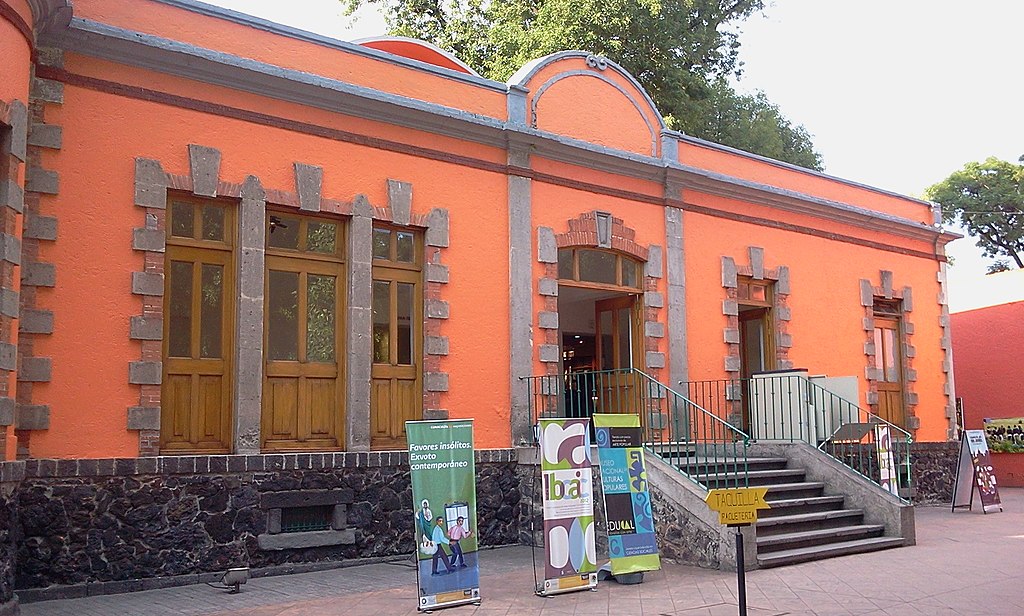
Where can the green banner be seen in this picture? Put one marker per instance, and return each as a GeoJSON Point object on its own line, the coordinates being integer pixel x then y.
{"type": "Point", "coordinates": [632, 544]}
{"type": "Point", "coordinates": [444, 498]}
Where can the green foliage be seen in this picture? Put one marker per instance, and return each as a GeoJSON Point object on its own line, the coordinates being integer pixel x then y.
{"type": "Point", "coordinates": [681, 51]}
{"type": "Point", "coordinates": [987, 199]}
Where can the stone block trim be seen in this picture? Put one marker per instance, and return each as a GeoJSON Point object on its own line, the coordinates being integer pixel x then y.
{"type": "Point", "coordinates": [31, 417]}
{"type": "Point", "coordinates": [41, 228]}
{"type": "Point", "coordinates": [755, 269]}
{"type": "Point", "coordinates": [902, 299]}
{"type": "Point", "coordinates": [309, 181]}
{"type": "Point", "coordinates": [7, 409]}
{"type": "Point", "coordinates": [143, 418]}
{"type": "Point", "coordinates": [436, 347]}
{"type": "Point", "coordinates": [204, 168]}
{"type": "Point", "coordinates": [13, 155]}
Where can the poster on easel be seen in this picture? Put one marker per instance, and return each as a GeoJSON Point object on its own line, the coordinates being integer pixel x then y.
{"type": "Point", "coordinates": [443, 477]}
{"type": "Point", "coordinates": [886, 464]}
{"type": "Point", "coordinates": [570, 552]}
{"type": "Point", "coordinates": [974, 472]}
{"type": "Point", "coordinates": [632, 544]}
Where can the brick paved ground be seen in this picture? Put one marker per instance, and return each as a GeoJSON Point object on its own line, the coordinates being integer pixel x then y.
{"type": "Point", "coordinates": [965, 563]}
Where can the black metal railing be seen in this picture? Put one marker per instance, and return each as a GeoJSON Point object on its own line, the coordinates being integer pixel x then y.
{"type": "Point", "coordinates": [793, 408]}
{"type": "Point", "coordinates": [697, 442]}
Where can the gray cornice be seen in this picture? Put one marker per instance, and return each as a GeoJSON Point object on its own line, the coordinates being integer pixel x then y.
{"type": "Point", "coordinates": [49, 15]}
{"type": "Point", "coordinates": [207, 66]}
{"type": "Point", "coordinates": [325, 41]}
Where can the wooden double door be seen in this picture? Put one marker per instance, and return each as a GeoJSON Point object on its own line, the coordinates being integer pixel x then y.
{"type": "Point", "coordinates": [618, 348]}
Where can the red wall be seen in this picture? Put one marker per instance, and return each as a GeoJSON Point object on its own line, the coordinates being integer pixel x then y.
{"type": "Point", "coordinates": [988, 364]}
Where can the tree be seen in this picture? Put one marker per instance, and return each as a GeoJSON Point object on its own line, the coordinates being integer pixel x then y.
{"type": "Point", "coordinates": [987, 199]}
{"type": "Point", "coordinates": [681, 51]}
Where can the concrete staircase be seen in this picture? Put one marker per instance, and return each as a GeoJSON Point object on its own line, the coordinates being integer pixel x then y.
{"type": "Point", "coordinates": [804, 523]}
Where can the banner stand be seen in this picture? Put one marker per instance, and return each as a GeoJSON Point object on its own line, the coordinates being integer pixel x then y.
{"type": "Point", "coordinates": [443, 478]}
{"type": "Point", "coordinates": [974, 471]}
{"type": "Point", "coordinates": [567, 496]}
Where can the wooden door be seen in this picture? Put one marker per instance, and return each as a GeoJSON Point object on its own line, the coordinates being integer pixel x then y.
{"type": "Point", "coordinates": [889, 370]}
{"type": "Point", "coordinates": [303, 402]}
{"type": "Point", "coordinates": [397, 370]}
{"type": "Point", "coordinates": [198, 329]}
{"type": "Point", "coordinates": [757, 352]}
{"type": "Point", "coordinates": [618, 348]}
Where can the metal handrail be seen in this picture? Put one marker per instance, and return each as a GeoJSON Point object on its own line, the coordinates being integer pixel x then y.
{"type": "Point", "coordinates": [706, 448]}
{"type": "Point", "coordinates": [792, 408]}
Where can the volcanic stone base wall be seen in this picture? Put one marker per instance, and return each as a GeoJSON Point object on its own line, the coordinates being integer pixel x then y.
{"type": "Point", "coordinates": [11, 474]}
{"type": "Point", "coordinates": [103, 525]}
{"type": "Point", "coordinates": [934, 469]}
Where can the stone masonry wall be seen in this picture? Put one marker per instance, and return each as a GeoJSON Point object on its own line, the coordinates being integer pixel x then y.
{"type": "Point", "coordinates": [91, 522]}
{"type": "Point", "coordinates": [934, 468]}
{"type": "Point", "coordinates": [11, 474]}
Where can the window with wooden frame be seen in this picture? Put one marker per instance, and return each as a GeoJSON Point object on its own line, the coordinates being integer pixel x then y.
{"type": "Point", "coordinates": [303, 401]}
{"type": "Point", "coordinates": [594, 267]}
{"type": "Point", "coordinates": [397, 372]}
{"type": "Point", "coordinates": [198, 353]}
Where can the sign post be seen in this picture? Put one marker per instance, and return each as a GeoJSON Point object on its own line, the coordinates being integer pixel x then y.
{"type": "Point", "coordinates": [738, 507]}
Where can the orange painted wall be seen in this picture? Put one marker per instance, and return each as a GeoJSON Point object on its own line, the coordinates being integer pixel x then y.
{"type": "Point", "coordinates": [608, 118]}
{"type": "Point", "coordinates": [827, 316]}
{"type": "Point", "coordinates": [241, 40]}
{"type": "Point", "coordinates": [93, 303]}
{"type": "Point", "coordinates": [739, 166]}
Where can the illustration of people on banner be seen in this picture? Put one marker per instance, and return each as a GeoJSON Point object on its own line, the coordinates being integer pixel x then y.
{"type": "Point", "coordinates": [444, 494]}
{"type": "Point", "coordinates": [632, 544]}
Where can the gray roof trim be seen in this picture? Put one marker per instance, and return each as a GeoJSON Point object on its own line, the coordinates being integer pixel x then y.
{"type": "Point", "coordinates": [791, 167]}
{"type": "Point", "coordinates": [718, 184]}
{"type": "Point", "coordinates": [325, 41]}
{"type": "Point", "coordinates": [185, 60]}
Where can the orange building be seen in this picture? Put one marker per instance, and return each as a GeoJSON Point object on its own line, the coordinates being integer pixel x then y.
{"type": "Point", "coordinates": [225, 236]}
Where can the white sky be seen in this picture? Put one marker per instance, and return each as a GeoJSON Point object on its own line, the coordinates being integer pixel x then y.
{"type": "Point", "coordinates": [897, 93]}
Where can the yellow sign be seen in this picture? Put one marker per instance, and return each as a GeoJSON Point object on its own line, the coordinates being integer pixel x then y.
{"type": "Point", "coordinates": [737, 505]}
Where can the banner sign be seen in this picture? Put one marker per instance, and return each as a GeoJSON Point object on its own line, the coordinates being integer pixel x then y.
{"type": "Point", "coordinates": [975, 471]}
{"type": "Point", "coordinates": [570, 561]}
{"type": "Point", "coordinates": [886, 464]}
{"type": "Point", "coordinates": [444, 499]}
{"type": "Point", "coordinates": [1005, 435]}
{"type": "Point", "coordinates": [632, 545]}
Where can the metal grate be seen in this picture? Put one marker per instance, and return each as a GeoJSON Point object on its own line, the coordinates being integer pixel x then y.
{"type": "Point", "coordinates": [302, 519]}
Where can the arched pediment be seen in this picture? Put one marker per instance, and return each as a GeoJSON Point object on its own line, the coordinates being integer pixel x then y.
{"type": "Point", "coordinates": [586, 97]}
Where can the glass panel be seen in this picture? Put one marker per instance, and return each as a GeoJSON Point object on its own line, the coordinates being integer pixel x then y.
{"type": "Point", "coordinates": [213, 223]}
{"type": "Point", "coordinates": [597, 266]}
{"type": "Point", "coordinates": [891, 367]}
{"type": "Point", "coordinates": [565, 264]}
{"type": "Point", "coordinates": [879, 351]}
{"type": "Point", "coordinates": [183, 222]}
{"type": "Point", "coordinates": [283, 316]}
{"type": "Point", "coordinates": [406, 247]}
{"type": "Point", "coordinates": [211, 325]}
{"type": "Point", "coordinates": [753, 346]}
{"type": "Point", "coordinates": [607, 345]}
{"type": "Point", "coordinates": [179, 339]}
{"type": "Point", "coordinates": [743, 290]}
{"type": "Point", "coordinates": [283, 232]}
{"type": "Point", "coordinates": [381, 322]}
{"type": "Point", "coordinates": [320, 309]}
{"type": "Point", "coordinates": [405, 324]}
{"type": "Point", "coordinates": [625, 340]}
{"type": "Point", "coordinates": [382, 244]}
{"type": "Point", "coordinates": [322, 237]}
{"type": "Point", "coordinates": [629, 273]}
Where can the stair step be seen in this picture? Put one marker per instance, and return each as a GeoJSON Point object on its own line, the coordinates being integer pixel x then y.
{"type": "Point", "coordinates": [756, 478]}
{"type": "Point", "coordinates": [808, 521]}
{"type": "Point", "coordinates": [810, 538]}
{"type": "Point", "coordinates": [818, 552]}
{"type": "Point", "coordinates": [793, 506]}
{"type": "Point", "coordinates": [801, 489]}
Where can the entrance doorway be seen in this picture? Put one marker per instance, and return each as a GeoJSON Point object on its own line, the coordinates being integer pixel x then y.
{"type": "Point", "coordinates": [889, 365]}
{"type": "Point", "coordinates": [757, 340]}
{"type": "Point", "coordinates": [601, 342]}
